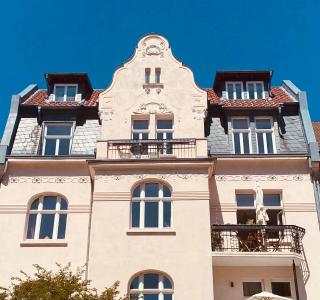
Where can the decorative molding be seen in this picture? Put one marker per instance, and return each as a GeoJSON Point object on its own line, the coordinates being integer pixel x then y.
{"type": "Point", "coordinates": [152, 108]}
{"type": "Point", "coordinates": [48, 179]}
{"type": "Point", "coordinates": [153, 45]}
{"type": "Point", "coordinates": [106, 115]}
{"type": "Point", "coordinates": [296, 177]}
{"type": "Point", "coordinates": [171, 176]}
{"type": "Point", "coordinates": [199, 112]}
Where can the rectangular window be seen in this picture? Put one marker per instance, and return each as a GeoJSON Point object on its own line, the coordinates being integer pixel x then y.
{"type": "Point", "coordinates": [140, 129]}
{"type": "Point", "coordinates": [65, 92]}
{"type": "Point", "coordinates": [135, 215]}
{"type": "Point", "coordinates": [166, 214]}
{"type": "Point", "coordinates": [158, 75]}
{"type": "Point", "coordinates": [245, 200]}
{"type": "Point", "coordinates": [271, 200]}
{"type": "Point", "coordinates": [255, 90]}
{"type": "Point", "coordinates": [281, 289]}
{"type": "Point", "coordinates": [241, 136]}
{"type": "Point", "coordinates": [265, 135]}
{"type": "Point", "coordinates": [251, 288]}
{"type": "Point", "coordinates": [151, 219]}
{"type": "Point", "coordinates": [234, 90]}
{"type": "Point", "coordinates": [57, 139]}
{"type": "Point", "coordinates": [164, 131]}
{"type": "Point", "coordinates": [147, 75]}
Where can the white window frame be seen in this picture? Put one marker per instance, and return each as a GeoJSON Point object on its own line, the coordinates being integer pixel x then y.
{"type": "Point", "coordinates": [65, 92]}
{"type": "Point", "coordinates": [264, 131]}
{"type": "Point", "coordinates": [241, 131]}
{"type": "Point", "coordinates": [251, 280]}
{"type": "Point", "coordinates": [160, 200]}
{"type": "Point", "coordinates": [57, 137]}
{"type": "Point", "coordinates": [255, 89]}
{"type": "Point", "coordinates": [161, 291]}
{"type": "Point", "coordinates": [164, 132]}
{"type": "Point", "coordinates": [39, 212]}
{"type": "Point", "coordinates": [140, 131]}
{"type": "Point", "coordinates": [233, 83]}
{"type": "Point", "coordinates": [280, 207]}
{"type": "Point", "coordinates": [282, 279]}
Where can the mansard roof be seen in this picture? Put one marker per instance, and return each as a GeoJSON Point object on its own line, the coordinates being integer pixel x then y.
{"type": "Point", "coordinates": [40, 98]}
{"type": "Point", "coordinates": [278, 97]}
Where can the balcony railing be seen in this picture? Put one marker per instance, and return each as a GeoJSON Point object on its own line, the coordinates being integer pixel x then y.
{"type": "Point", "coordinates": [151, 149]}
{"type": "Point", "coordinates": [257, 238]}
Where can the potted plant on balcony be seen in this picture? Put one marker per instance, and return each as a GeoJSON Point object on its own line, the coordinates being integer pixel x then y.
{"type": "Point", "coordinates": [216, 241]}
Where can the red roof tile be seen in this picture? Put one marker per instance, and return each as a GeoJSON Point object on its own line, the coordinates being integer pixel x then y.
{"type": "Point", "coordinates": [316, 128]}
{"type": "Point", "coordinates": [40, 98]}
{"type": "Point", "coordinates": [279, 97]}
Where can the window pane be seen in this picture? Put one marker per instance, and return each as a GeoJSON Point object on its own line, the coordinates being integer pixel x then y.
{"type": "Point", "coordinates": [166, 192]}
{"type": "Point", "coordinates": [251, 90]}
{"type": "Point", "coordinates": [62, 226]}
{"type": "Point", "coordinates": [159, 135]}
{"type": "Point", "coordinates": [158, 74]}
{"type": "Point", "coordinates": [269, 142]}
{"type": "Point", "coordinates": [136, 192]}
{"type": "Point", "coordinates": [49, 203]}
{"type": "Point", "coordinates": [263, 124]}
{"type": "Point", "coordinates": [169, 136]}
{"type": "Point", "coordinates": [63, 204]}
{"type": "Point", "coordinates": [151, 190]}
{"type": "Point", "coordinates": [46, 227]}
{"type": "Point", "coordinates": [246, 147]}
{"type": "Point", "coordinates": [166, 283]}
{"type": "Point", "coordinates": [140, 124]}
{"type": "Point", "coordinates": [236, 140]}
{"type": "Point", "coordinates": [71, 93]}
{"type": "Point", "coordinates": [50, 147]}
{"type": "Point", "coordinates": [167, 297]}
{"type": "Point", "coordinates": [245, 200]}
{"type": "Point", "coordinates": [59, 129]}
{"type": "Point", "coordinates": [166, 214]}
{"type": "Point", "coordinates": [35, 205]}
{"type": "Point", "coordinates": [135, 284]}
{"type": "Point", "coordinates": [59, 93]}
{"type": "Point", "coordinates": [260, 143]}
{"type": "Point", "coordinates": [240, 124]}
{"type": "Point", "coordinates": [147, 75]}
{"type": "Point", "coordinates": [164, 124]}
{"type": "Point", "coordinates": [259, 88]}
{"type": "Point", "coordinates": [145, 136]}
{"type": "Point", "coordinates": [135, 214]}
{"type": "Point", "coordinates": [281, 288]}
{"type": "Point", "coordinates": [31, 226]}
{"type": "Point", "coordinates": [251, 288]}
{"type": "Point", "coordinates": [151, 214]}
{"type": "Point", "coordinates": [230, 91]}
{"type": "Point", "coordinates": [271, 200]}
{"type": "Point", "coordinates": [151, 281]}
{"type": "Point", "coordinates": [64, 145]}
{"type": "Point", "coordinates": [150, 296]}
{"type": "Point", "coordinates": [238, 91]}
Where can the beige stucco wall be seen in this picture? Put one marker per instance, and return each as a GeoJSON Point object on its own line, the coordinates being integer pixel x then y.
{"type": "Point", "coordinates": [178, 98]}
{"type": "Point", "coordinates": [183, 252]}
{"type": "Point", "coordinates": [289, 177]}
{"type": "Point", "coordinates": [23, 182]}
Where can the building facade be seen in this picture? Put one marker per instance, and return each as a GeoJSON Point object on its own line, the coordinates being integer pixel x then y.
{"type": "Point", "coordinates": [179, 192]}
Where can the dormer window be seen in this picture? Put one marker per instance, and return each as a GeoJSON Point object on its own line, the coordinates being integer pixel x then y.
{"type": "Point", "coordinates": [65, 92]}
{"type": "Point", "coordinates": [255, 89]}
{"type": "Point", "coordinates": [234, 90]}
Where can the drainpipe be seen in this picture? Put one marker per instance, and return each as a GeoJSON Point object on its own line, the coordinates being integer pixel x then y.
{"type": "Point", "coordinates": [89, 224]}
{"type": "Point", "coordinates": [295, 280]}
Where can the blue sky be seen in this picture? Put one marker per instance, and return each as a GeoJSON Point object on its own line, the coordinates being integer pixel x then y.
{"type": "Point", "coordinates": [96, 36]}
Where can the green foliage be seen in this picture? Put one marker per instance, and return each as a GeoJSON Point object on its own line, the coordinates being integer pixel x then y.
{"type": "Point", "coordinates": [61, 285]}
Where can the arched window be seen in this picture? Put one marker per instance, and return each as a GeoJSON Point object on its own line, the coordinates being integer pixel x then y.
{"type": "Point", "coordinates": [47, 218]}
{"type": "Point", "coordinates": [151, 286]}
{"type": "Point", "coordinates": [151, 206]}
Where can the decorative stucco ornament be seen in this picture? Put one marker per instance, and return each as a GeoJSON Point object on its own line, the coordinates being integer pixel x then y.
{"type": "Point", "coordinates": [106, 115]}
{"type": "Point", "coordinates": [199, 112]}
{"type": "Point", "coordinates": [153, 108]}
{"type": "Point", "coordinates": [153, 45]}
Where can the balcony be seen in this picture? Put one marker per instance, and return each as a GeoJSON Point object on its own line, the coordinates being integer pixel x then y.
{"type": "Point", "coordinates": [152, 149]}
{"type": "Point", "coordinates": [254, 245]}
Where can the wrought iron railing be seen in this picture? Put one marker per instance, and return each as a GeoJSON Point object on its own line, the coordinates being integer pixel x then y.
{"type": "Point", "coordinates": [149, 149]}
{"type": "Point", "coordinates": [257, 238]}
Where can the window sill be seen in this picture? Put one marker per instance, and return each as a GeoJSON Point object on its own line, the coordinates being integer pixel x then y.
{"type": "Point", "coordinates": [151, 231]}
{"type": "Point", "coordinates": [44, 243]}
{"type": "Point", "coordinates": [153, 85]}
